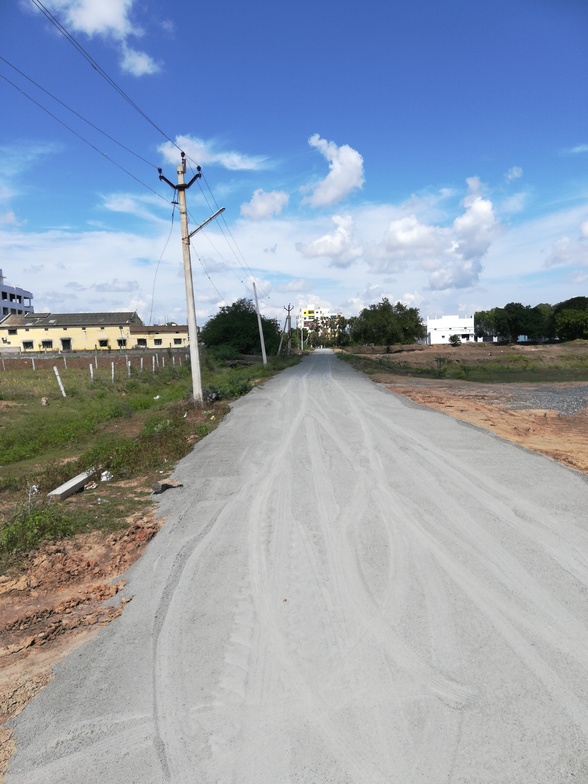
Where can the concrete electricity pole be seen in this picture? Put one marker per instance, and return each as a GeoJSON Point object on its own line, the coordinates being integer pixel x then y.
{"type": "Point", "coordinates": [262, 341]}
{"type": "Point", "coordinates": [181, 188]}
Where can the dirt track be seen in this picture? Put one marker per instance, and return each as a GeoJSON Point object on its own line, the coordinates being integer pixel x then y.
{"type": "Point", "coordinates": [365, 636]}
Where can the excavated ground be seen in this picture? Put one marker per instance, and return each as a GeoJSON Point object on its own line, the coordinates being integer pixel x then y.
{"type": "Point", "coordinates": [56, 600]}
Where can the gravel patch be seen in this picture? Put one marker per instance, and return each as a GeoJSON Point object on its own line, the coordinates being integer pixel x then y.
{"type": "Point", "coordinates": [566, 400]}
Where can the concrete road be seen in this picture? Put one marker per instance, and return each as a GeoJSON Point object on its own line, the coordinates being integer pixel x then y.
{"type": "Point", "coordinates": [349, 588]}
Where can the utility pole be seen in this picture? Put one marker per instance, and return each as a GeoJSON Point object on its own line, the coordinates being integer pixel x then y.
{"type": "Point", "coordinates": [289, 308]}
{"type": "Point", "coordinates": [286, 331]}
{"type": "Point", "coordinates": [263, 354]}
{"type": "Point", "coordinates": [181, 189]}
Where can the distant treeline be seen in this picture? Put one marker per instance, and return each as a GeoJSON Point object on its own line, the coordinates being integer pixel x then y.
{"type": "Point", "coordinates": [567, 320]}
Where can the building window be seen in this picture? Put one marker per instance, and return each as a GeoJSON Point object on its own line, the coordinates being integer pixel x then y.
{"type": "Point", "coordinates": [142, 342]}
{"type": "Point", "coordinates": [157, 342]}
{"type": "Point", "coordinates": [122, 342]}
{"type": "Point", "coordinates": [46, 344]}
{"type": "Point", "coordinates": [12, 331]}
{"type": "Point", "coordinates": [103, 343]}
{"type": "Point", "coordinates": [27, 345]}
{"type": "Point", "coordinates": [4, 295]}
{"type": "Point", "coordinates": [177, 341]}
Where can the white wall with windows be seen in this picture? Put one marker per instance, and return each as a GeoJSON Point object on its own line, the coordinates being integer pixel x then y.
{"type": "Point", "coordinates": [440, 330]}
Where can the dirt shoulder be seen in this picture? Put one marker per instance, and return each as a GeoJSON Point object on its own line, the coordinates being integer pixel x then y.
{"type": "Point", "coordinates": [55, 603]}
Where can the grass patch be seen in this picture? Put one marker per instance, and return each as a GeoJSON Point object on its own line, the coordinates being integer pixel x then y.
{"type": "Point", "coordinates": [510, 369]}
{"type": "Point", "coordinates": [136, 428]}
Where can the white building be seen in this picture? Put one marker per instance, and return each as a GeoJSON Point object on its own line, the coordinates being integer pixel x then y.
{"type": "Point", "coordinates": [439, 330]}
{"type": "Point", "coordinates": [14, 301]}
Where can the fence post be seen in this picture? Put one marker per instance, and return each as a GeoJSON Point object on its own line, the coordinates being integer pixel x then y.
{"type": "Point", "coordinates": [141, 364]}
{"type": "Point", "coordinates": [112, 364]}
{"type": "Point", "coordinates": [91, 366]}
{"type": "Point", "coordinates": [153, 362]}
{"type": "Point", "coordinates": [59, 380]}
{"type": "Point", "coordinates": [129, 368]}
{"type": "Point", "coordinates": [33, 363]}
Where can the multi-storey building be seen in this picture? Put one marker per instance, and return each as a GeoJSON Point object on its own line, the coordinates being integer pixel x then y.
{"type": "Point", "coordinates": [35, 332]}
{"type": "Point", "coordinates": [308, 316]}
{"type": "Point", "coordinates": [13, 300]}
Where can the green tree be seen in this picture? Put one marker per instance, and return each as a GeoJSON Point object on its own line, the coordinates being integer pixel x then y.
{"type": "Point", "coordinates": [571, 324]}
{"type": "Point", "coordinates": [491, 323]}
{"type": "Point", "coordinates": [557, 321]}
{"type": "Point", "coordinates": [236, 326]}
{"type": "Point", "coordinates": [385, 324]}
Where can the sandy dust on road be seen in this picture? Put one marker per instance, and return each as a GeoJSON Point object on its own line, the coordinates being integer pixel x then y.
{"type": "Point", "coordinates": [349, 588]}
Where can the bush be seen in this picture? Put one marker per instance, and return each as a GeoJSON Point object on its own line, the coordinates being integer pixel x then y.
{"type": "Point", "coordinates": [31, 526]}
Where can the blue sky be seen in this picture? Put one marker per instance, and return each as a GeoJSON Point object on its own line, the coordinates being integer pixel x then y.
{"type": "Point", "coordinates": [431, 152]}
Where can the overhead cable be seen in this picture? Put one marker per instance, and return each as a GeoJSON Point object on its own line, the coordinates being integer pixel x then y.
{"type": "Point", "coordinates": [79, 135]}
{"type": "Point", "coordinates": [73, 111]}
{"type": "Point", "coordinates": [98, 68]}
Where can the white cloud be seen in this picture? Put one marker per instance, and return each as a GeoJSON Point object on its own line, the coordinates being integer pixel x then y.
{"type": "Point", "coordinates": [451, 254]}
{"type": "Point", "coordinates": [9, 219]}
{"type": "Point", "coordinates": [345, 173]}
{"type": "Point", "coordinates": [339, 245]}
{"type": "Point", "coordinates": [265, 205]}
{"type": "Point", "coordinates": [295, 286]}
{"type": "Point", "coordinates": [515, 203]}
{"type": "Point", "coordinates": [567, 252]}
{"type": "Point", "coordinates": [116, 285]}
{"type": "Point", "coordinates": [95, 17]}
{"type": "Point", "coordinates": [204, 152]}
{"type": "Point", "coordinates": [131, 204]}
{"type": "Point", "coordinates": [577, 150]}
{"type": "Point", "coordinates": [109, 19]}
{"type": "Point", "coordinates": [514, 173]}
{"type": "Point", "coordinates": [137, 63]}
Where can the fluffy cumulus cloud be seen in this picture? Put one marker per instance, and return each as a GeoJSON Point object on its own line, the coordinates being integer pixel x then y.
{"type": "Point", "coordinates": [345, 173]}
{"type": "Point", "coordinates": [451, 254]}
{"type": "Point", "coordinates": [265, 205]}
{"type": "Point", "coordinates": [205, 152]}
{"type": "Point", "coordinates": [109, 19]}
{"type": "Point", "coordinates": [339, 245]}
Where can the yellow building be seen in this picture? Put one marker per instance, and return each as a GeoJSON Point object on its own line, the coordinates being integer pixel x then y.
{"type": "Point", "coordinates": [39, 332]}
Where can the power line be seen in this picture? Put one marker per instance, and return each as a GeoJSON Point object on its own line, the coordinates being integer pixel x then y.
{"type": "Point", "coordinates": [79, 135]}
{"type": "Point", "coordinates": [98, 68]}
{"type": "Point", "coordinates": [244, 266]}
{"type": "Point", "coordinates": [159, 260]}
{"type": "Point", "coordinates": [73, 111]}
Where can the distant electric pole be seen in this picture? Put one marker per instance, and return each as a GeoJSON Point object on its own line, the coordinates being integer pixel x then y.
{"type": "Point", "coordinates": [263, 354]}
{"type": "Point", "coordinates": [181, 189]}
{"type": "Point", "coordinates": [286, 331]}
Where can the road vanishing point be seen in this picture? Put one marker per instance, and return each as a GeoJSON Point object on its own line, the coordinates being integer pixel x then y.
{"type": "Point", "coordinates": [349, 588]}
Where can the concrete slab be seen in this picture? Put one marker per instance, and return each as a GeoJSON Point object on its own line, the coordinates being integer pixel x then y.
{"type": "Point", "coordinates": [71, 486]}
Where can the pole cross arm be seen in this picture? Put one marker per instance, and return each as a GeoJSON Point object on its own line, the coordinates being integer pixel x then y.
{"type": "Point", "coordinates": [202, 225]}
{"type": "Point", "coordinates": [161, 177]}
